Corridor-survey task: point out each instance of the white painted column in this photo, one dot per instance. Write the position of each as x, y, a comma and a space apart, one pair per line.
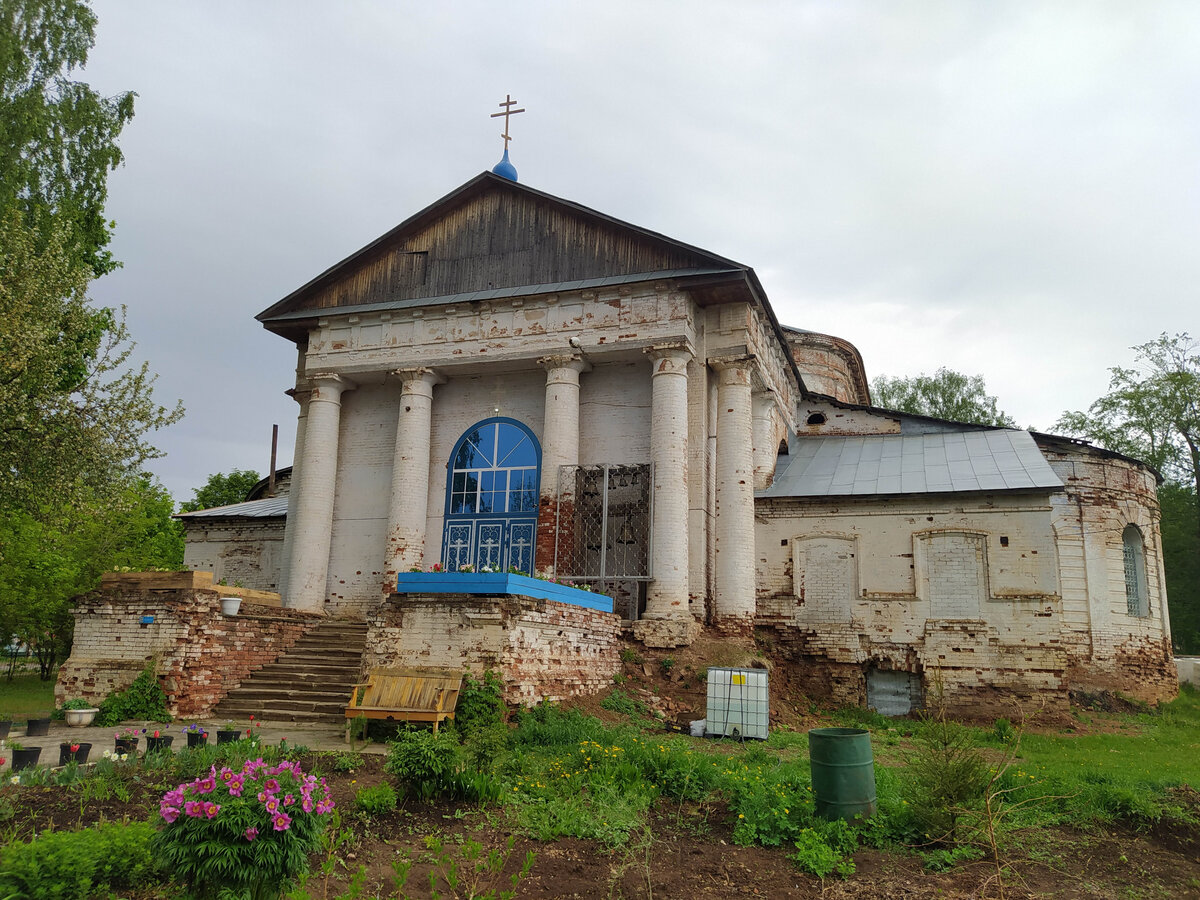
310, 503
560, 445
409, 506
560, 428
733, 593
765, 446
667, 622
300, 395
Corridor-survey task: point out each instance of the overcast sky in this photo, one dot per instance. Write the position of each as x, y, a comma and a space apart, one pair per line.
1008, 189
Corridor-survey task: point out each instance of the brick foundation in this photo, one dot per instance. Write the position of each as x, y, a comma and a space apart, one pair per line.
543, 649
202, 654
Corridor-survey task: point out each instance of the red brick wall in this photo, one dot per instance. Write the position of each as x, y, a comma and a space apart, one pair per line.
202, 654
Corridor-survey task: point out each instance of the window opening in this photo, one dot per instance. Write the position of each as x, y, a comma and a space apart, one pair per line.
492, 487
1134, 553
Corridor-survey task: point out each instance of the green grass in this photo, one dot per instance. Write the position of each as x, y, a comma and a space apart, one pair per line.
25, 696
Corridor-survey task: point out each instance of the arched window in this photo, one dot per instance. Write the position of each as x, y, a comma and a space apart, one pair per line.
1136, 593
492, 483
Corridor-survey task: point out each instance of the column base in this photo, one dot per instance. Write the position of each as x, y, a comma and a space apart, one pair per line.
734, 627
678, 631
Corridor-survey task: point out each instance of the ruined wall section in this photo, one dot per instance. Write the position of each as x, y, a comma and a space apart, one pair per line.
830, 365
241, 551
1110, 648
963, 586
546, 650
202, 654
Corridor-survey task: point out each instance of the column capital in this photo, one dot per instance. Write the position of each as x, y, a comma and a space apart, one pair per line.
671, 358
572, 362
418, 380
300, 393
329, 386
419, 373
734, 369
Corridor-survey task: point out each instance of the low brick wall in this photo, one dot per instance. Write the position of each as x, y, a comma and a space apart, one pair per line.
543, 649
202, 653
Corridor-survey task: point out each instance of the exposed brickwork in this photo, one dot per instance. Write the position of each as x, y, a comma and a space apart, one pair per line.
202, 654
543, 649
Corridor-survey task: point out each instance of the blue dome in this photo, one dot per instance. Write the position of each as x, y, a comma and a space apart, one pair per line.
505, 169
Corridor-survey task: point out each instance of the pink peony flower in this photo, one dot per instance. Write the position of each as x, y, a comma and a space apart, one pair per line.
170, 813
194, 808
211, 810
251, 833
289, 800
282, 822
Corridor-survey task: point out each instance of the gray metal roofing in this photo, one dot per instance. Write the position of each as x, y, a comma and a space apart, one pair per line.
253, 509
993, 460
524, 290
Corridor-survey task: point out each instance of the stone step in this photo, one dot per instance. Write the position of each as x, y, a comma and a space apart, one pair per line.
276, 695
280, 707
340, 656
293, 716
307, 670
305, 682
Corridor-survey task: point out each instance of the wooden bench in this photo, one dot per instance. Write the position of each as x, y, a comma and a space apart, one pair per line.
407, 695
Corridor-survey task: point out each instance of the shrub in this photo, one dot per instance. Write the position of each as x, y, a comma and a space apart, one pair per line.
424, 763
546, 725
247, 831
825, 848
144, 699
376, 801
72, 864
480, 704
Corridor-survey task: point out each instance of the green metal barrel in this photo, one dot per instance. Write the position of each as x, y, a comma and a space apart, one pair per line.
843, 772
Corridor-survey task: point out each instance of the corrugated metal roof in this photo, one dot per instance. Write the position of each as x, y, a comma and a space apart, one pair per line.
999, 460
524, 290
253, 509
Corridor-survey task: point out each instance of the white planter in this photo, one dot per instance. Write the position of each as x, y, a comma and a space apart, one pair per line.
231, 605
80, 718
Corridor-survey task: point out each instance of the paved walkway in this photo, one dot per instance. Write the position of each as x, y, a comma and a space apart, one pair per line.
315, 737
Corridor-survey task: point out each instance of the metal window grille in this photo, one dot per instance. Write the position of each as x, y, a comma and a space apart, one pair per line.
603, 530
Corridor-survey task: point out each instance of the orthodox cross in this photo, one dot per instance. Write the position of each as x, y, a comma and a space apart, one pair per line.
508, 103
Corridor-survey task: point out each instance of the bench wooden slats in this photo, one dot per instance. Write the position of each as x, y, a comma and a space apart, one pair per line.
409, 695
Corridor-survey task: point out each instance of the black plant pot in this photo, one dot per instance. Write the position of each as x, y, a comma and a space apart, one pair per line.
227, 737
5, 727
24, 759
156, 744
197, 738
37, 727
127, 745
65, 754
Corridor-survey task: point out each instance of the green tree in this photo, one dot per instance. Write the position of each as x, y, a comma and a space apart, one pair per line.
56, 552
74, 415
945, 394
1152, 412
57, 136
222, 489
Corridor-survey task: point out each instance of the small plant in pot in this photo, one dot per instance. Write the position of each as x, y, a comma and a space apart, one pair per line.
73, 751
79, 713
37, 727
158, 741
24, 757
197, 735
127, 739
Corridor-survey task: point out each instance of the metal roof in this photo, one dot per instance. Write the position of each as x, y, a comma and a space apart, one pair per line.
863, 465
253, 509
523, 290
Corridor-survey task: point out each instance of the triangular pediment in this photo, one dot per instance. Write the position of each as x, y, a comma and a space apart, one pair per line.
490, 234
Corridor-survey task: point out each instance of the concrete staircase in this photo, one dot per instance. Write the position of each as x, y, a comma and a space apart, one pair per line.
310, 683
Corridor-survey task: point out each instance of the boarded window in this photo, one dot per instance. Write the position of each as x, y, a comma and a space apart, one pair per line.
825, 576
955, 574
892, 693
1134, 554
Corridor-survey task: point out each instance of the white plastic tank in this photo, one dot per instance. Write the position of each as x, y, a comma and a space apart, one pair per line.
738, 703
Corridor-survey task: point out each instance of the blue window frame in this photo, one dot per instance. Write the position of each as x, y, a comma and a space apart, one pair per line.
492, 483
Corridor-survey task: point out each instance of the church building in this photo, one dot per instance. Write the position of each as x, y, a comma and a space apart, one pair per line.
510, 381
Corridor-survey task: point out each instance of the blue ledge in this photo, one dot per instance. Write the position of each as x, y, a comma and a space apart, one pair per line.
498, 583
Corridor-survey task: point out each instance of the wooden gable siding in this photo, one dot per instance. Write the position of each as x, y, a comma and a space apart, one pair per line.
497, 240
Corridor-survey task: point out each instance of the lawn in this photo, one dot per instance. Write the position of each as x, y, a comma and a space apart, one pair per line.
25, 696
